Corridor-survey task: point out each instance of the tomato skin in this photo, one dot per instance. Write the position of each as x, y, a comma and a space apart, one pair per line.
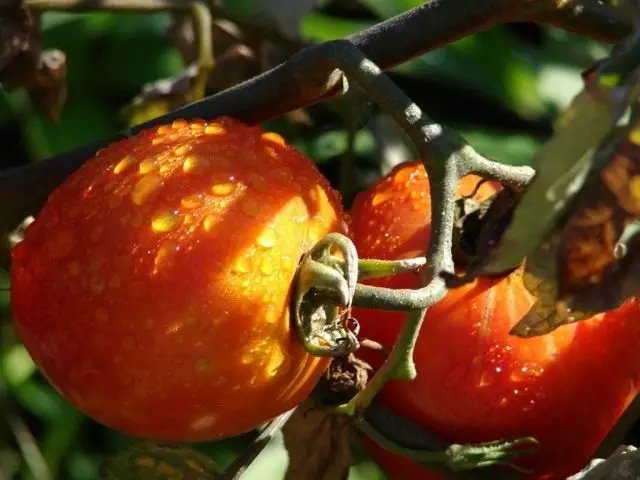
153, 289
476, 382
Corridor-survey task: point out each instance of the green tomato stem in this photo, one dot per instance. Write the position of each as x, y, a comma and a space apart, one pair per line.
371, 268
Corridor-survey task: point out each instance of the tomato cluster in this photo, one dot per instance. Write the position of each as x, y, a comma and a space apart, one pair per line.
154, 292
476, 382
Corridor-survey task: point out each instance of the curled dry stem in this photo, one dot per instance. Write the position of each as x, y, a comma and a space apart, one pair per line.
325, 286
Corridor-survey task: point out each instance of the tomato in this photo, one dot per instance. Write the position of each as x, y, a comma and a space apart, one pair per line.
153, 289
476, 382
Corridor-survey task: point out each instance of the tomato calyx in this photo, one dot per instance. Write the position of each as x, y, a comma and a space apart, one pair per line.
326, 282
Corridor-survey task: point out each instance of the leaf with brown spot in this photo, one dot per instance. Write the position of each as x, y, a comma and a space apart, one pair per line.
319, 445
578, 271
24, 65
152, 461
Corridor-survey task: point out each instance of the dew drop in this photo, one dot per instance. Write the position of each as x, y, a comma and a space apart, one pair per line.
381, 197
214, 129
195, 165
182, 150
271, 315
275, 361
267, 238
147, 166
165, 221
179, 123
123, 164
266, 267
192, 201
209, 223
250, 207
401, 177
146, 188
164, 256
223, 189
274, 137
242, 265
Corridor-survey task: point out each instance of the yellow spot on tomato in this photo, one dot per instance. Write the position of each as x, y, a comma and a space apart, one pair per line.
274, 137
223, 189
146, 188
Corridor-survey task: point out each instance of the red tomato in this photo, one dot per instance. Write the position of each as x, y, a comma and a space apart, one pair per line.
153, 289
476, 382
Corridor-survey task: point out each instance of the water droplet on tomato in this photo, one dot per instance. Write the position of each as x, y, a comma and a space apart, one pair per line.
209, 223
165, 221
214, 129
267, 238
179, 124
381, 197
266, 267
223, 189
242, 265
146, 187
147, 166
192, 201
276, 361
123, 164
164, 256
195, 165
274, 137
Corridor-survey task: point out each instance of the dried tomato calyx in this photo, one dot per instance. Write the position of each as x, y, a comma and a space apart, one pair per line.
325, 285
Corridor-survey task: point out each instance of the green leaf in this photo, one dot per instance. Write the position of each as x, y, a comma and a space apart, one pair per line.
331, 144
491, 64
320, 27
389, 8
512, 149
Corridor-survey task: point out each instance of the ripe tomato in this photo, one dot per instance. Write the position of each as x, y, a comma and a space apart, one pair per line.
476, 382
153, 289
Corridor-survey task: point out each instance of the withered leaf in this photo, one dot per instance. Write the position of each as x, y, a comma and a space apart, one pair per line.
578, 271
540, 278
478, 233
319, 445
24, 65
148, 460
163, 95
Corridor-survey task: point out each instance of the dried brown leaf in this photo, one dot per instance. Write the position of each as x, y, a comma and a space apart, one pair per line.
163, 95
24, 65
319, 445
579, 269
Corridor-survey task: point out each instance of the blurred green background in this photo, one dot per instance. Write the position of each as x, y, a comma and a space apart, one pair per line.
501, 89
